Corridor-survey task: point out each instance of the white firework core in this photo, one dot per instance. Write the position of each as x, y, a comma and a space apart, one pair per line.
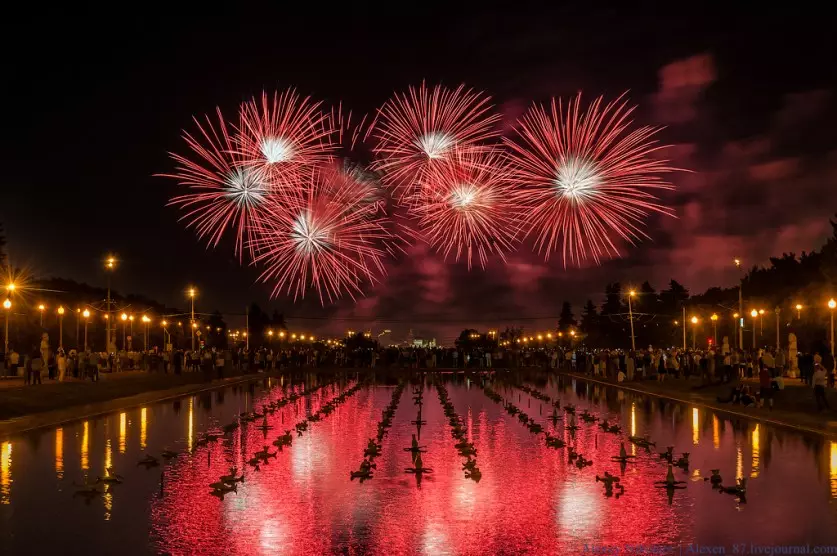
435, 144
245, 187
463, 196
308, 237
277, 149
577, 179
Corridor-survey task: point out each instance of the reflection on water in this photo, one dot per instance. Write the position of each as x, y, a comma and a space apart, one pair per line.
5, 472
529, 499
59, 453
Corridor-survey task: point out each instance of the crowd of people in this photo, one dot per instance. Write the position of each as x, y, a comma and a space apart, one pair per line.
706, 366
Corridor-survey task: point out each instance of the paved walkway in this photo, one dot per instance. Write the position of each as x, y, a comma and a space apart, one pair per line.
27, 407
794, 407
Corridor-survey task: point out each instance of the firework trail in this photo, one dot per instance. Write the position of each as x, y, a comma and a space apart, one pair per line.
284, 137
467, 207
585, 178
223, 193
325, 235
420, 128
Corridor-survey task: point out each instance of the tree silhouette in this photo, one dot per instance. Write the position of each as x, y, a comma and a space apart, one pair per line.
567, 320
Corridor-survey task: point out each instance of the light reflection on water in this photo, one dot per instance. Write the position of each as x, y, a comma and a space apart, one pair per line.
529, 498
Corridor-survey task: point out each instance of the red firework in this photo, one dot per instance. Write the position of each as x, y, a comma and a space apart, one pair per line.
466, 206
327, 235
585, 178
284, 137
422, 127
223, 194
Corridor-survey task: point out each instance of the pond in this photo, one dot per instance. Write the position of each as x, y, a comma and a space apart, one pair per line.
529, 497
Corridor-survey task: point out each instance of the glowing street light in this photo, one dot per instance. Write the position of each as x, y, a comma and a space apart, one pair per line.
714, 319
631, 294
832, 305
146, 321
124, 318
192, 292
761, 323
7, 305
41, 308
86, 315
110, 266
754, 314
694, 331
798, 311
61, 326
737, 262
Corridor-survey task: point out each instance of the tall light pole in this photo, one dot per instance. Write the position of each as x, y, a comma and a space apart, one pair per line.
714, 319
694, 331
78, 324
110, 265
631, 319
124, 318
778, 339
798, 311
7, 305
86, 315
754, 314
61, 326
145, 320
831, 305
684, 328
761, 323
740, 304
164, 324
735, 326
192, 293
41, 308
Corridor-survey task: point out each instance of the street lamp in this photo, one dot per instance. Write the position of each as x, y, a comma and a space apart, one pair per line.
734, 327
41, 308
694, 331
831, 305
754, 314
7, 305
631, 294
61, 326
166, 341
798, 311
124, 318
778, 339
110, 266
761, 323
145, 320
737, 262
192, 294
86, 315
714, 319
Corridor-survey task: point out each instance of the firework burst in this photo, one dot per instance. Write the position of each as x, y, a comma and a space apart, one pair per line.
466, 207
326, 235
223, 193
422, 127
585, 178
283, 137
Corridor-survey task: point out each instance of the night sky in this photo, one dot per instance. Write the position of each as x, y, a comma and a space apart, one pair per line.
93, 103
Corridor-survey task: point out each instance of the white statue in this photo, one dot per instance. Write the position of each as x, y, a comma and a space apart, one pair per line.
45, 348
793, 363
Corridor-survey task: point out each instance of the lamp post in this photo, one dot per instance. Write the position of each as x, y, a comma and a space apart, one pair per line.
714, 319
761, 323
798, 311
740, 303
735, 326
145, 321
192, 293
778, 339
694, 331
61, 326
684, 328
110, 265
124, 318
41, 308
754, 314
78, 324
831, 305
7, 305
631, 294
86, 320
